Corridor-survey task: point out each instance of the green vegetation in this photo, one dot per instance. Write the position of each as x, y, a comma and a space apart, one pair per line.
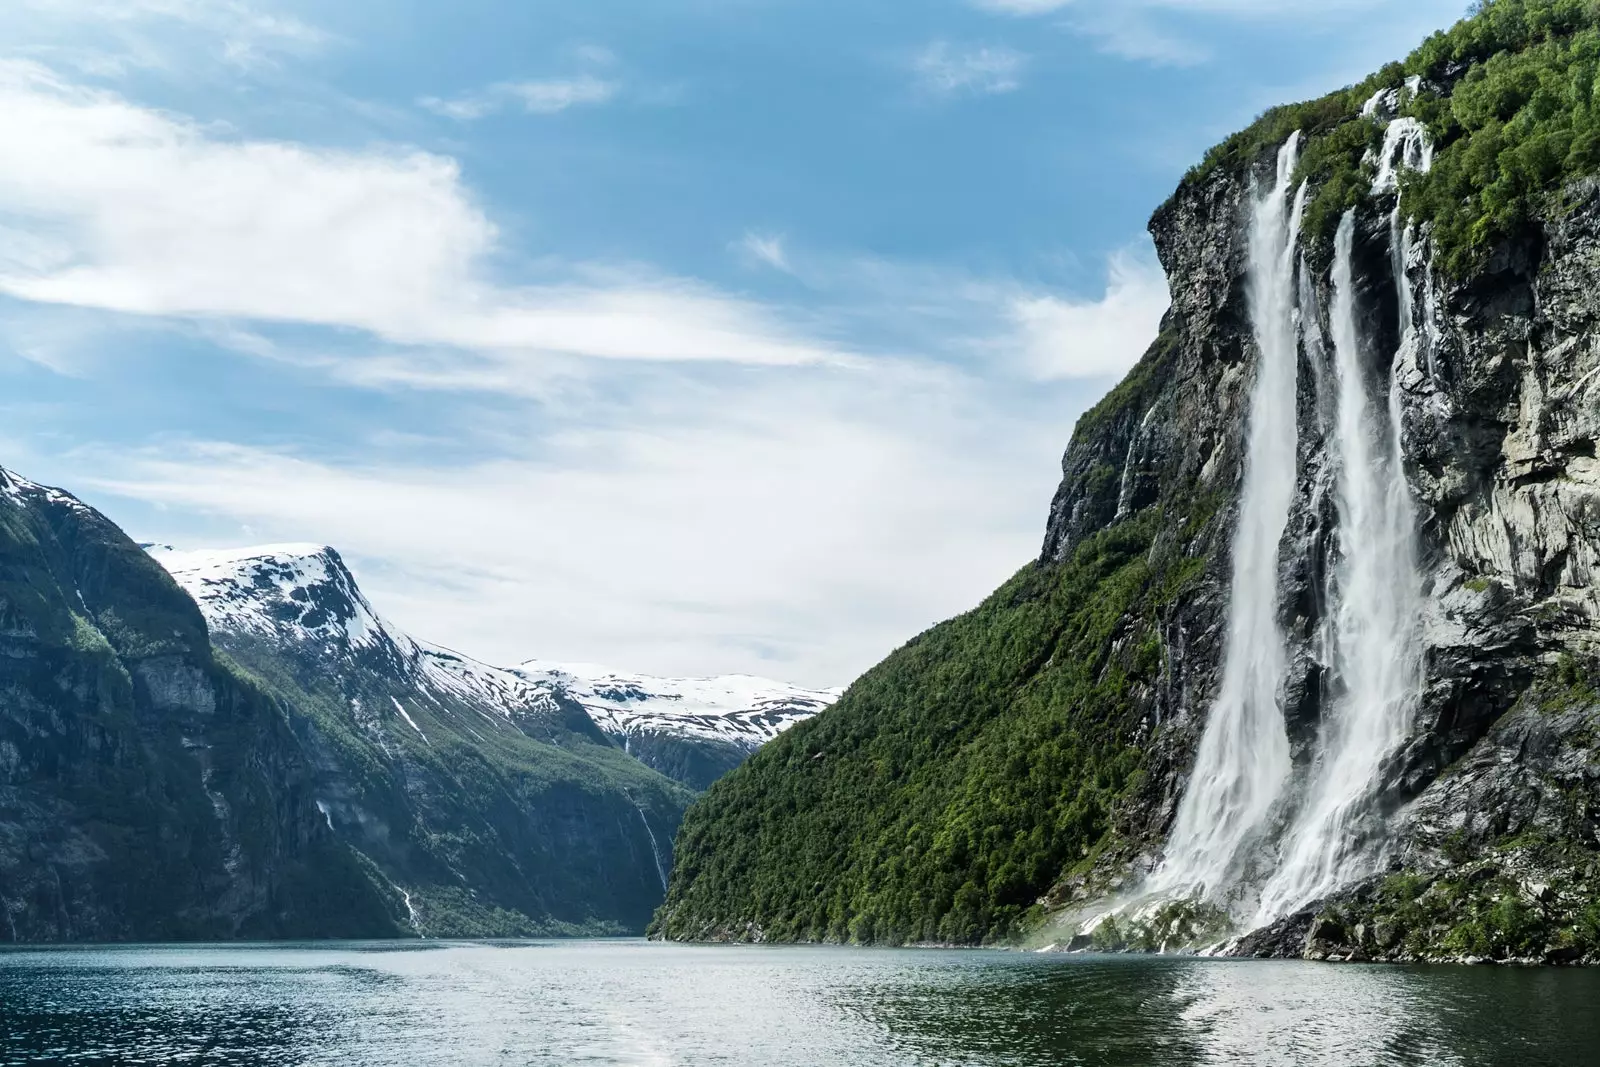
1483, 910
1569, 685
1335, 140
161, 797
1520, 122
493, 832
986, 760
1509, 99
958, 780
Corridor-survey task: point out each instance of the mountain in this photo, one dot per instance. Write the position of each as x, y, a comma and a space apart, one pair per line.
487, 798
301, 597
149, 790
1306, 665
693, 730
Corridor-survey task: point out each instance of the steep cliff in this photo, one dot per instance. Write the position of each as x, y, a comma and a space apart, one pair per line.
148, 790
1024, 766
488, 800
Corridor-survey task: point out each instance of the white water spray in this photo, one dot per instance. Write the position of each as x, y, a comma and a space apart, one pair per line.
1338, 835
1243, 761
1406, 146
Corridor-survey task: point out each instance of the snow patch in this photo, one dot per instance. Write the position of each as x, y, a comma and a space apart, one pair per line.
406, 715
302, 596
741, 709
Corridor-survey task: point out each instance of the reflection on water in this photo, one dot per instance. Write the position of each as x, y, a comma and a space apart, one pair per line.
628, 1003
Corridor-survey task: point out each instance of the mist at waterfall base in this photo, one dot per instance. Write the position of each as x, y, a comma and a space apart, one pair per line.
634, 1004
1256, 836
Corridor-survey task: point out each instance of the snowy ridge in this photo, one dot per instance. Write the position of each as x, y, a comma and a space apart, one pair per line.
303, 596
22, 491
300, 593
738, 709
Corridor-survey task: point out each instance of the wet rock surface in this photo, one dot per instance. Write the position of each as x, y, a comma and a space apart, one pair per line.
1500, 416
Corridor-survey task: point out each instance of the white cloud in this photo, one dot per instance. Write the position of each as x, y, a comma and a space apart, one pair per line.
107, 37
133, 210
1139, 29
1130, 33
546, 97
1087, 339
765, 248
1249, 8
946, 71
800, 524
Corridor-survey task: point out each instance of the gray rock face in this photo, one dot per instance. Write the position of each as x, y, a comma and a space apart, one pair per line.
1500, 418
146, 791
488, 799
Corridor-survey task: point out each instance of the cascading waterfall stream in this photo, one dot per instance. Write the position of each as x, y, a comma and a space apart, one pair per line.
1338, 835
1243, 761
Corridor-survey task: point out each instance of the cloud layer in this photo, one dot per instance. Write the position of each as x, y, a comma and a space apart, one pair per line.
128, 209
801, 525
1099, 338
943, 69
536, 457
545, 97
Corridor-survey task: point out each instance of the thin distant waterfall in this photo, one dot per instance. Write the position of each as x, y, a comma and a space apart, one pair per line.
1243, 761
1338, 836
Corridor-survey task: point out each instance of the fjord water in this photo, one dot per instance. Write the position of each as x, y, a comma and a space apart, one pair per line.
640, 1005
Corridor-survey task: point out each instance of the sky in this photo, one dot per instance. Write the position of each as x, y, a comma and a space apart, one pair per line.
684, 336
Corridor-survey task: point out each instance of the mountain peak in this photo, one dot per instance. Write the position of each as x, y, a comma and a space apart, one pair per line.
297, 593
301, 598
738, 709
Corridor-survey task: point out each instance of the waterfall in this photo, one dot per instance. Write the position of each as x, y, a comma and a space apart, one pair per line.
655, 849
1406, 146
1243, 760
1375, 592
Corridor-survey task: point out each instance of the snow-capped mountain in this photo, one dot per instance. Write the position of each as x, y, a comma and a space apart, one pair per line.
740, 711
303, 597
489, 800
691, 729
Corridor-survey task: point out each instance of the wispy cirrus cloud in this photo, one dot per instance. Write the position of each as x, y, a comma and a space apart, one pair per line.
109, 37
1164, 31
129, 209
539, 97
945, 69
765, 248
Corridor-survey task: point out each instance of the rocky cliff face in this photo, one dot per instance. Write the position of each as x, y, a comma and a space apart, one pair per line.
1494, 799
488, 799
147, 790
1022, 769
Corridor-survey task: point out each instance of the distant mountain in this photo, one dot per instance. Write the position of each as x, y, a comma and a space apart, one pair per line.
488, 798
691, 729
149, 790
302, 597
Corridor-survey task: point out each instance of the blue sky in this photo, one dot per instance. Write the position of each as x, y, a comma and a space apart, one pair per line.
688, 337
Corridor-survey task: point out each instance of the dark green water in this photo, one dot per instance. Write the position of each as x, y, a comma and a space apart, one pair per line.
632, 1003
